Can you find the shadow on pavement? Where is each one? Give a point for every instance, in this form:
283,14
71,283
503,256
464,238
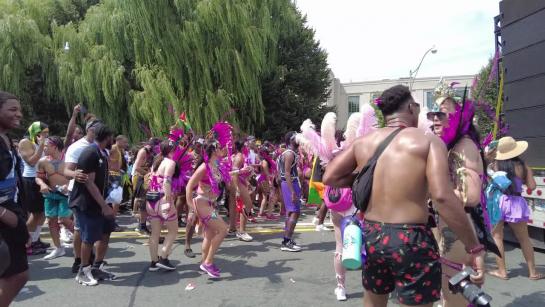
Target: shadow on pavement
533,299
28,292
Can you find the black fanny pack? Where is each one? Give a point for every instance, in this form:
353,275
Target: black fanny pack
152,196
363,184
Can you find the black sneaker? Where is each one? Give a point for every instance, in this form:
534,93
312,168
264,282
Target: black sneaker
75,267
182,224
100,274
290,246
153,266
40,245
165,264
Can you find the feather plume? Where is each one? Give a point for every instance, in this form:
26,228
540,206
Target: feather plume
352,125
328,132
304,144
308,131
368,121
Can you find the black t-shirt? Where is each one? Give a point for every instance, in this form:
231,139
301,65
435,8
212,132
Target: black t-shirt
91,160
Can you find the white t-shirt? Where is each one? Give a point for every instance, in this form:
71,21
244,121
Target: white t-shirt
72,155
74,151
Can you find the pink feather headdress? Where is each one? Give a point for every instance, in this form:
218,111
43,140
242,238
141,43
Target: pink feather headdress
221,135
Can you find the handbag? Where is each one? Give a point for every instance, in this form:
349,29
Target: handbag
363,184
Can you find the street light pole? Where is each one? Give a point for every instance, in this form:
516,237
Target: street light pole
415,72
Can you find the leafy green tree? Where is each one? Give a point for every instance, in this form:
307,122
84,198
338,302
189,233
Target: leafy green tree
485,92
139,63
297,88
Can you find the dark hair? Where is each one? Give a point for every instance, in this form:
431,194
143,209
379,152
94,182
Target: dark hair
339,137
239,145
509,166
5,96
289,137
57,142
102,131
153,142
166,148
393,99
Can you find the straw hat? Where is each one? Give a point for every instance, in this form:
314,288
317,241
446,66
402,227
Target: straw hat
508,148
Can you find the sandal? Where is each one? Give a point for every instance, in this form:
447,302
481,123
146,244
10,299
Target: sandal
497,274
537,277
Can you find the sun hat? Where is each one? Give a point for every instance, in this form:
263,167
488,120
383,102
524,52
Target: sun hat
508,148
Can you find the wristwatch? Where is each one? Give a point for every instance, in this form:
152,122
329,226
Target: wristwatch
476,249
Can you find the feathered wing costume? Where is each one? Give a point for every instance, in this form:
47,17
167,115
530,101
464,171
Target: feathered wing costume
181,135
221,136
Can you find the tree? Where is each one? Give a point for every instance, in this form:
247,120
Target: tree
297,88
138,63
485,92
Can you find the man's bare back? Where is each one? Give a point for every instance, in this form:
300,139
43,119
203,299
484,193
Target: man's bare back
395,199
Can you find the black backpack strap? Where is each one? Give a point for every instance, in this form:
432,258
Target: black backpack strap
381,147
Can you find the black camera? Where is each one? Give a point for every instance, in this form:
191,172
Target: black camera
460,283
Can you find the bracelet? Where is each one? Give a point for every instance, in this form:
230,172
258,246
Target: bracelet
3,212
476,249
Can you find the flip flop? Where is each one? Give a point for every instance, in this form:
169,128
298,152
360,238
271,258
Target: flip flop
496,274
537,277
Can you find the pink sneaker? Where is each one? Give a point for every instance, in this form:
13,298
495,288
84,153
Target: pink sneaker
211,270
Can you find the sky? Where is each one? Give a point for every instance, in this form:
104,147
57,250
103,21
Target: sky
385,39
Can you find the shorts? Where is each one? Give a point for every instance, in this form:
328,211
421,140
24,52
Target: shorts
286,195
15,238
33,200
56,205
138,185
402,257
93,227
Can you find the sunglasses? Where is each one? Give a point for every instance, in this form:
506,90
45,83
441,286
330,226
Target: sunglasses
440,115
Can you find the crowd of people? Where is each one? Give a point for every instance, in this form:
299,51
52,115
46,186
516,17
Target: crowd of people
426,216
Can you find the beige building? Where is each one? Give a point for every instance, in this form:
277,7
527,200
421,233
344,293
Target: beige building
350,97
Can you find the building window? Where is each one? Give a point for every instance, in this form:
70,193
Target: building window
353,104
429,99
430,96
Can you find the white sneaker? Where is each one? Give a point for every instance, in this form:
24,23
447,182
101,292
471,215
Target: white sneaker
66,236
340,292
85,277
57,252
322,227
315,221
244,237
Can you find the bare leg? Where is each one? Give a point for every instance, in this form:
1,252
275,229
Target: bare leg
322,212
232,207
246,199
497,233
77,244
172,227
154,239
86,250
340,271
102,247
291,222
189,229
54,230
10,287
217,229
521,232
374,300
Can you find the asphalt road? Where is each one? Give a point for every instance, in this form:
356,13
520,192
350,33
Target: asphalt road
253,274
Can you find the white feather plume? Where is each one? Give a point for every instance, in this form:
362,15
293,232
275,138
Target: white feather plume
308,131
352,125
305,144
368,121
328,132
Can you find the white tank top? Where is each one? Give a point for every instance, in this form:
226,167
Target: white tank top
29,170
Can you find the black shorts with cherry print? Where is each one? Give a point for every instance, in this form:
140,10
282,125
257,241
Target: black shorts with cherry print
402,257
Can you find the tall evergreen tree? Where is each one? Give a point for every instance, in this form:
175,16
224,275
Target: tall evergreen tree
297,87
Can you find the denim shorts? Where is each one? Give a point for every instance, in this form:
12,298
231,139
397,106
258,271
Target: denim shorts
93,227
